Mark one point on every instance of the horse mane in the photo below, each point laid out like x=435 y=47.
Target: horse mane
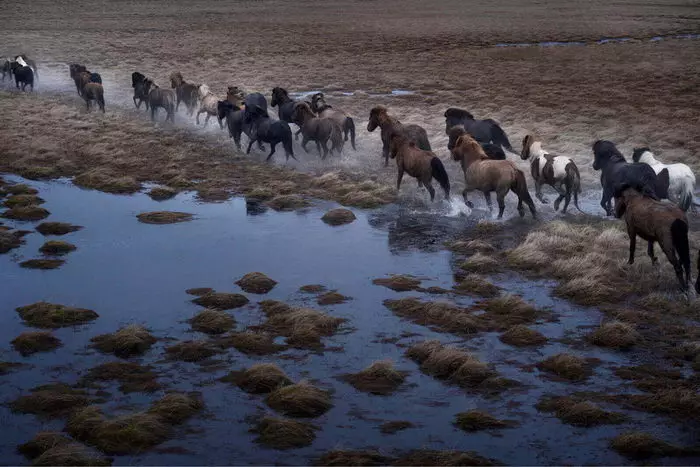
x=458 y=113
x=637 y=153
x=608 y=150
x=471 y=145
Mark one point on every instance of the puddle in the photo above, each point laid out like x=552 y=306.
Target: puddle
x=604 y=40
x=131 y=272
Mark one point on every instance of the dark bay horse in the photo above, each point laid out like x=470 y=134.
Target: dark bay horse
x=379 y=117
x=617 y=173
x=494 y=151
x=484 y=131
x=184 y=92
x=255 y=105
x=317 y=129
x=235 y=122
x=264 y=129
x=346 y=123
x=285 y=106
x=423 y=165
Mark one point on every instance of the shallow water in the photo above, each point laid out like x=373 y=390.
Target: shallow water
x=604 y=40
x=131 y=272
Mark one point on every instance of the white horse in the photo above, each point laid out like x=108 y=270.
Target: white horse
x=208 y=104
x=559 y=172
x=681 y=179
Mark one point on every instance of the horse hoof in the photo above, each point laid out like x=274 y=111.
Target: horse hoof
x=469 y=204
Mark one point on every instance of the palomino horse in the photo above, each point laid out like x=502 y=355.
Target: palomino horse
x=420 y=164
x=317 y=129
x=285 y=106
x=494 y=151
x=379 y=117
x=185 y=92
x=163 y=98
x=681 y=179
x=346 y=123
x=655 y=221
x=616 y=173
x=559 y=172
x=207 y=105
x=484 y=131
x=486 y=175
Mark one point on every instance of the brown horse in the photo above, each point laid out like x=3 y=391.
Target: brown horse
x=418 y=163
x=317 y=129
x=655 y=221
x=344 y=121
x=235 y=96
x=379 y=117
x=185 y=92
x=93 y=92
x=486 y=175
x=76 y=71
x=165 y=98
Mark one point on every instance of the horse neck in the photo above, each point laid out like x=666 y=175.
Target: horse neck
x=306 y=116
x=648 y=158
x=385 y=121
x=472 y=158
x=536 y=150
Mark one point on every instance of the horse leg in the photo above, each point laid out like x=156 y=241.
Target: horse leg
x=633 y=243
x=318 y=146
x=325 y=149
x=650 y=252
x=137 y=104
x=673 y=259
x=605 y=201
x=398 y=179
x=487 y=196
x=206 y=120
x=538 y=192
x=431 y=190
x=177 y=106
x=197 y=119
x=558 y=201
x=385 y=152
x=250 y=145
x=304 y=142
x=296 y=135
x=272 y=151
x=500 y=197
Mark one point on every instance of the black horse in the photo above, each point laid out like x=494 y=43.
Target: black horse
x=494 y=151
x=235 y=122
x=142 y=87
x=255 y=106
x=264 y=129
x=285 y=106
x=483 y=131
x=616 y=173
x=24 y=75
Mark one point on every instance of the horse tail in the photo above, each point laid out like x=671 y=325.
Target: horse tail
x=287 y=141
x=573 y=174
x=686 y=200
x=440 y=174
x=498 y=136
x=679 y=239
x=519 y=186
x=350 y=125
x=336 y=137
x=663 y=181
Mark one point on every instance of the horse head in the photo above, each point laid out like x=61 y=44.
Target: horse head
x=605 y=152
x=203 y=90
x=223 y=108
x=455 y=116
x=318 y=102
x=640 y=153
x=176 y=79
x=234 y=94
x=301 y=112
x=376 y=115
x=454 y=133
x=467 y=149
x=279 y=96
x=527 y=142
x=137 y=78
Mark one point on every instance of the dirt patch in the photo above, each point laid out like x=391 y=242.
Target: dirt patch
x=478 y=420
x=481 y=263
x=9 y=240
x=338 y=217
x=352 y=458
x=616 y=335
x=161 y=193
x=256 y=282
x=578 y=412
x=57 y=247
x=125 y=342
x=221 y=300
x=199 y=291
x=51 y=315
x=312 y=288
x=442 y=316
x=288 y=203
x=56 y=228
x=473 y=284
x=212 y=322
x=50 y=400
x=103 y=180
x=261 y=378
x=280 y=433
x=303 y=327
x=132 y=377
x=22 y=200
x=398 y=283
x=567 y=366
x=250 y=343
x=300 y=400
x=164 y=217
x=42 y=263
x=191 y=351
x=26 y=213
x=522 y=336
x=29 y=343
x=332 y=298
x=380 y=378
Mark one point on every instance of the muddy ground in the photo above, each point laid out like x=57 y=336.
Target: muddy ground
x=630 y=339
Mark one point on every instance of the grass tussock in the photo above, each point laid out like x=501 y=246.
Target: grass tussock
x=29 y=343
x=275 y=307
x=338 y=217
x=164 y=217
x=300 y=400
x=212 y=322
x=478 y=420
x=42 y=263
x=362 y=199
x=71 y=454
x=429 y=457
x=22 y=200
x=471 y=247
x=577 y=412
x=676 y=400
x=56 y=228
x=352 y=458
x=221 y=300
x=390 y=428
x=175 y=408
x=191 y=351
x=509 y=310
x=332 y=298
x=281 y=433
x=398 y=283
x=566 y=366
x=126 y=342
x=616 y=335
x=288 y=203
x=450 y=363
x=50 y=400
x=161 y=193
x=260 y=193
x=132 y=377
x=20 y=189
x=440 y=315
x=57 y=247
x=199 y=291
x=256 y=282
x=473 y=284
x=303 y=327
x=380 y=378
x=250 y=343
x=127 y=434
x=26 y=213
x=52 y=316
x=42 y=442
x=481 y=263
x=9 y=367
x=522 y=336
x=102 y=180
x=10 y=240
x=261 y=378
x=312 y=288
x=638 y=445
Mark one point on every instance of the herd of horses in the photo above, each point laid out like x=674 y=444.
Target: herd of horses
x=480 y=147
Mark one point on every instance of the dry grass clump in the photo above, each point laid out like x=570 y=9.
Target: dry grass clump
x=50 y=315
x=175 y=408
x=522 y=336
x=161 y=193
x=251 y=343
x=42 y=442
x=509 y=310
x=362 y=199
x=261 y=378
x=303 y=327
x=300 y=400
x=125 y=342
x=338 y=217
x=212 y=322
x=274 y=307
x=566 y=366
x=429 y=457
x=421 y=351
x=199 y=291
x=29 y=343
x=42 y=263
x=26 y=213
x=164 y=217
x=536 y=251
x=312 y=288
x=281 y=433
x=639 y=445
x=129 y=434
x=191 y=351
x=71 y=454
x=287 y=202
x=22 y=200
x=481 y=263
x=471 y=246
x=379 y=378
x=221 y=300
x=57 y=247
x=398 y=283
x=10 y=240
x=590 y=291
x=478 y=420
x=50 y=400
x=441 y=315
x=681 y=402
x=260 y=193
x=8 y=367
x=56 y=228
x=450 y=363
x=615 y=334
x=20 y=189
x=331 y=298
x=256 y=282
x=389 y=428
x=102 y=180
x=577 y=412
x=473 y=284
x=132 y=377
x=352 y=458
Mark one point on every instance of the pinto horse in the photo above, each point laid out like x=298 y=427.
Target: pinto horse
x=379 y=117
x=681 y=178
x=483 y=131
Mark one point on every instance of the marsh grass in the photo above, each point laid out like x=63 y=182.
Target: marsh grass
x=50 y=400
x=161 y=193
x=352 y=458
x=50 y=315
x=71 y=454
x=566 y=366
x=638 y=445
x=42 y=263
x=256 y=282
x=299 y=400
x=261 y=378
x=380 y=378
x=9 y=240
x=126 y=342
x=429 y=457
x=473 y=284
x=57 y=228
x=42 y=442
x=192 y=351
x=164 y=217
x=332 y=298
x=57 y=247
x=478 y=420
x=212 y=322
x=481 y=263
x=509 y=310
x=29 y=343
x=577 y=412
x=398 y=283
x=281 y=433
x=29 y=213
x=303 y=327
x=444 y=316
x=22 y=200
x=250 y=343
x=522 y=336
x=221 y=300
x=616 y=335
x=132 y=377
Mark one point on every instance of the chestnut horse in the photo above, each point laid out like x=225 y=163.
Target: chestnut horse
x=320 y=130
x=420 y=164
x=379 y=117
